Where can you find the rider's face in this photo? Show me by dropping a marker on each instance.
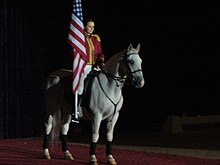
(89, 28)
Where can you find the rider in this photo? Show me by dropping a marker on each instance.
(93, 50)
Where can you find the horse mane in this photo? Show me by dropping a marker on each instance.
(109, 65)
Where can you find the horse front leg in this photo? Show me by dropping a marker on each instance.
(45, 146)
(110, 130)
(64, 138)
(95, 137)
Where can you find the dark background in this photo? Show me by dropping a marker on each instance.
(179, 47)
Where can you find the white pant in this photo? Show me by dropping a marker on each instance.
(86, 71)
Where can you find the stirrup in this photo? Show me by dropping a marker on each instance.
(75, 120)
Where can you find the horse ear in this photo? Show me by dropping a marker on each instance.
(130, 47)
(138, 47)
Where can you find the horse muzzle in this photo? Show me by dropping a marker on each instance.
(138, 83)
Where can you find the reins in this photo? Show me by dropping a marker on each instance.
(119, 79)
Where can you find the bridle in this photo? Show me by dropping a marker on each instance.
(129, 72)
(127, 75)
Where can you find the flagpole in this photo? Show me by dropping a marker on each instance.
(76, 104)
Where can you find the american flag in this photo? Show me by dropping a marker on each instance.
(76, 39)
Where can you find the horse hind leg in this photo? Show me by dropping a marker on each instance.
(45, 146)
(46, 153)
(67, 154)
(64, 137)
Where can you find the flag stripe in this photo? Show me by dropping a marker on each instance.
(76, 39)
(77, 24)
(78, 46)
(78, 67)
(74, 30)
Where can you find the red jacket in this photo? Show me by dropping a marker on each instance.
(93, 49)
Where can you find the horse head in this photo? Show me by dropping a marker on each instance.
(131, 66)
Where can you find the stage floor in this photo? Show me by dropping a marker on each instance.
(28, 151)
(195, 144)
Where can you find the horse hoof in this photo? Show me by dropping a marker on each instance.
(46, 156)
(68, 155)
(112, 162)
(93, 163)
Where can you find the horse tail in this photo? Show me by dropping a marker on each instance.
(51, 81)
(56, 125)
(53, 108)
(55, 77)
(53, 97)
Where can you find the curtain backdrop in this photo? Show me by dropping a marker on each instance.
(26, 59)
(22, 72)
(17, 96)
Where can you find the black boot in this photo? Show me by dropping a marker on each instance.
(75, 118)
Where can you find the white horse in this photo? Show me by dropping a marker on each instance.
(103, 101)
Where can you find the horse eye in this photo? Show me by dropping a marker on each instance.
(131, 62)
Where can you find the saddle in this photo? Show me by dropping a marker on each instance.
(84, 98)
(87, 86)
